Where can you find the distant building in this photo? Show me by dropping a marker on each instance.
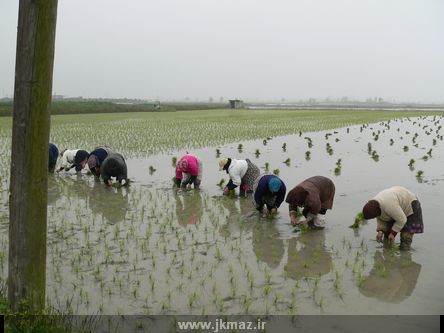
(236, 104)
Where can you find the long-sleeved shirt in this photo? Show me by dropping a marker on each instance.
(313, 193)
(263, 189)
(114, 166)
(396, 204)
(236, 170)
(193, 166)
(66, 161)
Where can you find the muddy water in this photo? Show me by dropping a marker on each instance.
(148, 249)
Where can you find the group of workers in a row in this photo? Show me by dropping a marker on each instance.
(102, 162)
(396, 209)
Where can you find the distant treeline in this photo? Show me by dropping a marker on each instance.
(83, 107)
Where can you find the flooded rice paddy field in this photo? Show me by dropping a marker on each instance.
(147, 249)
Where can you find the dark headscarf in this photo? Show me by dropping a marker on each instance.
(296, 196)
(371, 210)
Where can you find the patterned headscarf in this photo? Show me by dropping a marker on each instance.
(183, 165)
(92, 161)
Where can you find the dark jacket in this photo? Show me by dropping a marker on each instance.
(263, 190)
(52, 157)
(114, 166)
(313, 193)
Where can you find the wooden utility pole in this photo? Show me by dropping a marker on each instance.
(29, 154)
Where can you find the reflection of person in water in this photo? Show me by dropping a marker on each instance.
(267, 245)
(392, 278)
(110, 202)
(189, 208)
(308, 256)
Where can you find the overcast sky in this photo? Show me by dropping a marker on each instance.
(248, 49)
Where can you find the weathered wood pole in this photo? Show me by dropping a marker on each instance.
(29, 153)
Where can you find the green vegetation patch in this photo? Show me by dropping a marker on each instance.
(141, 134)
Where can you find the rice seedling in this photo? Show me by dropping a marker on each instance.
(337, 171)
(287, 161)
(358, 220)
(284, 147)
(419, 175)
(276, 172)
(405, 148)
(152, 169)
(429, 152)
(309, 142)
(257, 153)
(240, 148)
(307, 155)
(329, 149)
(173, 161)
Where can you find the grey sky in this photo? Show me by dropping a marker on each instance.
(249, 49)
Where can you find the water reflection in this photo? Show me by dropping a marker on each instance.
(308, 256)
(111, 203)
(189, 208)
(392, 278)
(267, 245)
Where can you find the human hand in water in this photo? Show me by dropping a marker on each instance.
(264, 212)
(226, 190)
(273, 211)
(379, 236)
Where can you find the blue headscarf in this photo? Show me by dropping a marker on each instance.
(274, 184)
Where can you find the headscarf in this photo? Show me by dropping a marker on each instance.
(81, 156)
(183, 165)
(296, 196)
(274, 184)
(93, 161)
(371, 210)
